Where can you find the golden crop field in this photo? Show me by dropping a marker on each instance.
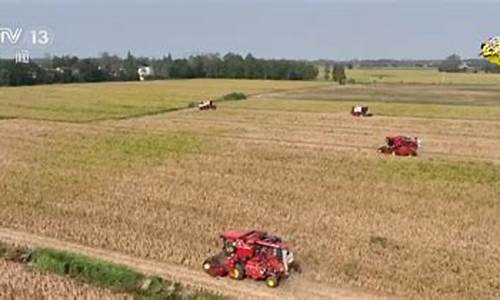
(87, 102)
(294, 163)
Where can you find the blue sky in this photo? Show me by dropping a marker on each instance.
(281, 29)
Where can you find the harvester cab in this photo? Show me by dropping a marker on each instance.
(206, 105)
(360, 111)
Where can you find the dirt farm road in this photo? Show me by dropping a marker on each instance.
(294, 288)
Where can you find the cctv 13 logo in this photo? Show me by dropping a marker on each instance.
(20, 37)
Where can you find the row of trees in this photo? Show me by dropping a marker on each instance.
(454, 63)
(113, 68)
(336, 73)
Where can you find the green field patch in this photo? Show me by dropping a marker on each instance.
(119, 150)
(75, 163)
(419, 75)
(440, 170)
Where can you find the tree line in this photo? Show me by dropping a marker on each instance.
(68, 69)
(454, 64)
(335, 73)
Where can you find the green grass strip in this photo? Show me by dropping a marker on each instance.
(115, 277)
(118, 278)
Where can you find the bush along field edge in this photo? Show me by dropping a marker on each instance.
(114, 277)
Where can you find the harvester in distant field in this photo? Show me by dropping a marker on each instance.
(360, 111)
(401, 146)
(490, 50)
(254, 254)
(206, 105)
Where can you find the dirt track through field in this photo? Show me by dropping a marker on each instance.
(294, 288)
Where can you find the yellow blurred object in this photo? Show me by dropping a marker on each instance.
(494, 59)
(490, 50)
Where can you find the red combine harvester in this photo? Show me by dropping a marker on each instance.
(206, 105)
(401, 146)
(360, 111)
(253, 254)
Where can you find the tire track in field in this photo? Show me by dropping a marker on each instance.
(293, 288)
(342, 146)
(342, 129)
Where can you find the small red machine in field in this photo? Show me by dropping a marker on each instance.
(253, 254)
(360, 111)
(401, 146)
(206, 105)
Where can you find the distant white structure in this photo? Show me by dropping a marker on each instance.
(464, 67)
(145, 72)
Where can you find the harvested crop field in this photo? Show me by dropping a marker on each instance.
(17, 282)
(163, 187)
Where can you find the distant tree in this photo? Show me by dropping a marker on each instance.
(90, 71)
(64, 61)
(180, 68)
(111, 65)
(252, 67)
(160, 68)
(63, 75)
(130, 66)
(451, 64)
(339, 73)
(4, 77)
(212, 65)
(310, 72)
(13, 74)
(327, 71)
(234, 66)
(196, 63)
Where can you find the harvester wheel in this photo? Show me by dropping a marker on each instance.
(238, 272)
(272, 281)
